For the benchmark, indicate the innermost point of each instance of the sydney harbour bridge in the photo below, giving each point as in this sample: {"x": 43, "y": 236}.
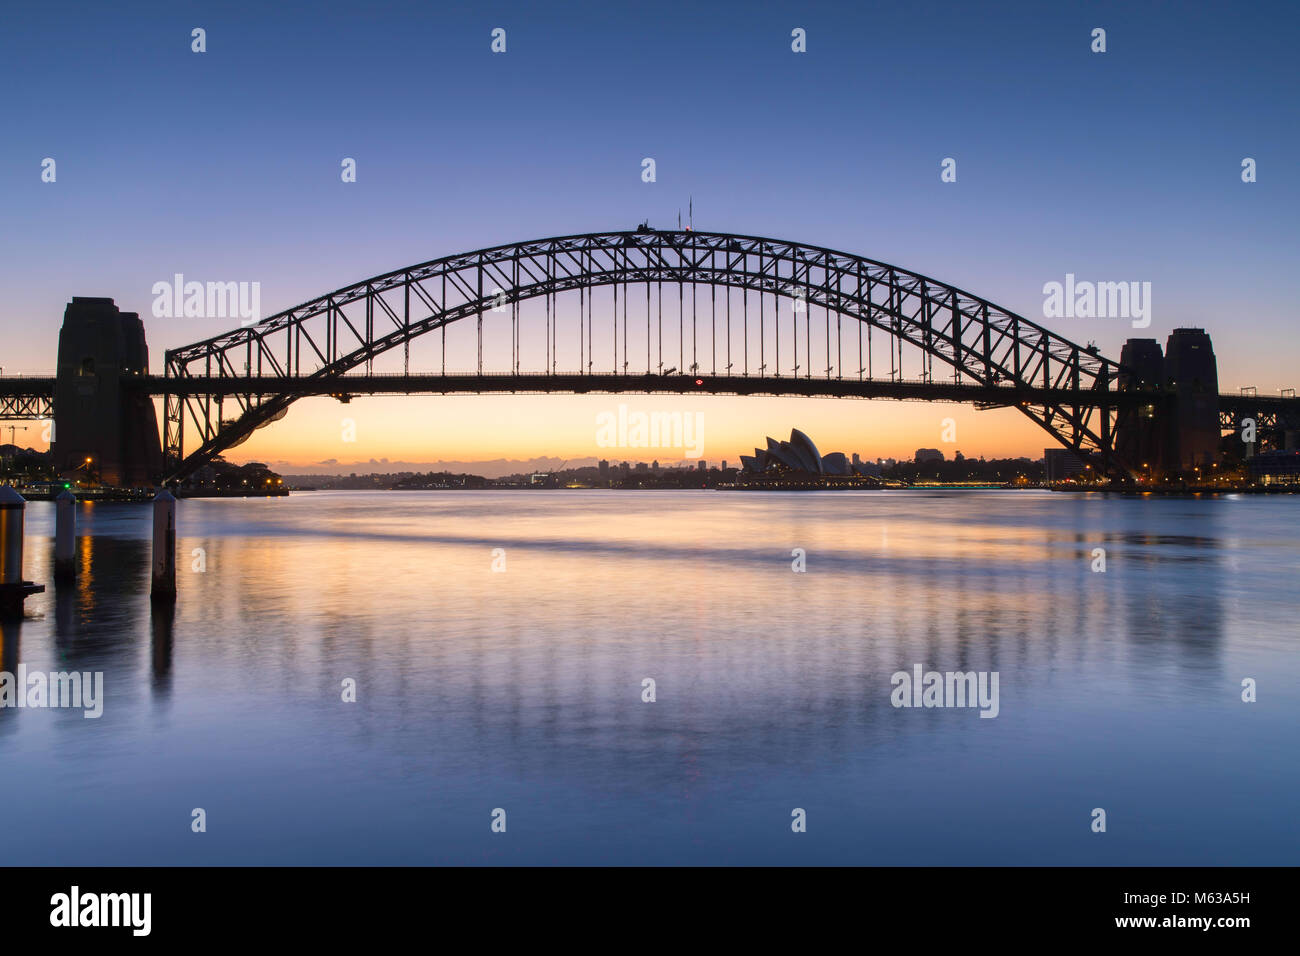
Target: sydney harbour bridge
{"x": 646, "y": 311}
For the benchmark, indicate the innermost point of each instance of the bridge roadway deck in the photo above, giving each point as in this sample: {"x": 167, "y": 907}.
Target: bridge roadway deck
{"x": 571, "y": 383}
{"x": 468, "y": 383}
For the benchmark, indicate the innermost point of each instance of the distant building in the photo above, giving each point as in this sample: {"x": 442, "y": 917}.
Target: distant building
{"x": 604, "y": 469}
{"x": 702, "y": 465}
{"x": 724, "y": 464}
{"x": 1060, "y": 464}
{"x": 1275, "y": 467}
{"x": 924, "y": 455}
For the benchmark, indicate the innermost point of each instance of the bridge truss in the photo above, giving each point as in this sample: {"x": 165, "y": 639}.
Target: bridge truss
{"x": 721, "y": 313}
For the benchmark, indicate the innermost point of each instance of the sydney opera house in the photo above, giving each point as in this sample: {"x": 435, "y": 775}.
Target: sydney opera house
{"x": 797, "y": 457}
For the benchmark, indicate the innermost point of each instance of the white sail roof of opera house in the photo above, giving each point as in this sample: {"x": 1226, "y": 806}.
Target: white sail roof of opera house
{"x": 798, "y": 454}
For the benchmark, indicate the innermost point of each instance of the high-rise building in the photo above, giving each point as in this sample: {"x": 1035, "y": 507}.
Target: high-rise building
{"x": 1060, "y": 463}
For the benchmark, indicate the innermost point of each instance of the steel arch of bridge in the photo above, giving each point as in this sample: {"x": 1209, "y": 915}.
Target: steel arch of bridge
{"x": 1001, "y": 358}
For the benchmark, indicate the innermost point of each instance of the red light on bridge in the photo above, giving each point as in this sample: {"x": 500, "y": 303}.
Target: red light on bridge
{"x": 699, "y": 381}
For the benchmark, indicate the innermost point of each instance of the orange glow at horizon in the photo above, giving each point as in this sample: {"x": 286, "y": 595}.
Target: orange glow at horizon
{"x": 487, "y": 427}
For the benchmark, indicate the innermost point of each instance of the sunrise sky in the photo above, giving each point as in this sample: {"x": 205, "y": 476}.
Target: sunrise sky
{"x": 225, "y": 166}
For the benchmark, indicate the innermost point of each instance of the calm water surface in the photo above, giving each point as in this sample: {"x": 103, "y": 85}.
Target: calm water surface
{"x": 522, "y": 689}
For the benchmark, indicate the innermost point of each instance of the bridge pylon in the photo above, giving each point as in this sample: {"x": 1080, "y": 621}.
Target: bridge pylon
{"x": 103, "y": 427}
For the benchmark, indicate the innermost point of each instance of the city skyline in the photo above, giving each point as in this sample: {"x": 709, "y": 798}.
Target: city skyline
{"x": 503, "y": 467}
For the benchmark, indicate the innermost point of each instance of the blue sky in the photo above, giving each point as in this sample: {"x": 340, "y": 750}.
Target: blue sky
{"x": 225, "y": 165}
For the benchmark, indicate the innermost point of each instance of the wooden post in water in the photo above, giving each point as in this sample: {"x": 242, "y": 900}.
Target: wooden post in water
{"x": 164, "y": 547}
{"x": 65, "y": 537}
{"x": 13, "y": 589}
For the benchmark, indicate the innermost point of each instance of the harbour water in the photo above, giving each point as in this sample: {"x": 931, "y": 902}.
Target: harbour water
{"x": 513, "y": 679}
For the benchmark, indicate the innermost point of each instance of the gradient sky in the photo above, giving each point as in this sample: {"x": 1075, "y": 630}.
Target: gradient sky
{"x": 225, "y": 166}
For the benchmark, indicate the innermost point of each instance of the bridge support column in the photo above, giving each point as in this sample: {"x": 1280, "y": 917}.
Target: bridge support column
{"x": 164, "y": 548}
{"x": 102, "y": 428}
{"x": 13, "y": 589}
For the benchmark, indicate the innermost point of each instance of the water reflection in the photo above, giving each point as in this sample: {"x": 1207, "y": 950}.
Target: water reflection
{"x": 10, "y": 648}
{"x": 96, "y": 617}
{"x": 475, "y": 685}
{"x": 162, "y": 616}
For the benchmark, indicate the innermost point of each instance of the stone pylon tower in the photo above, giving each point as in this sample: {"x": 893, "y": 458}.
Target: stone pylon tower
{"x": 1192, "y": 375}
{"x": 1178, "y": 431}
{"x": 95, "y": 416}
{"x": 1140, "y": 433}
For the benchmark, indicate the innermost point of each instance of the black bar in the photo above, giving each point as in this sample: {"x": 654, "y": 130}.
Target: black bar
{"x": 666, "y": 907}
